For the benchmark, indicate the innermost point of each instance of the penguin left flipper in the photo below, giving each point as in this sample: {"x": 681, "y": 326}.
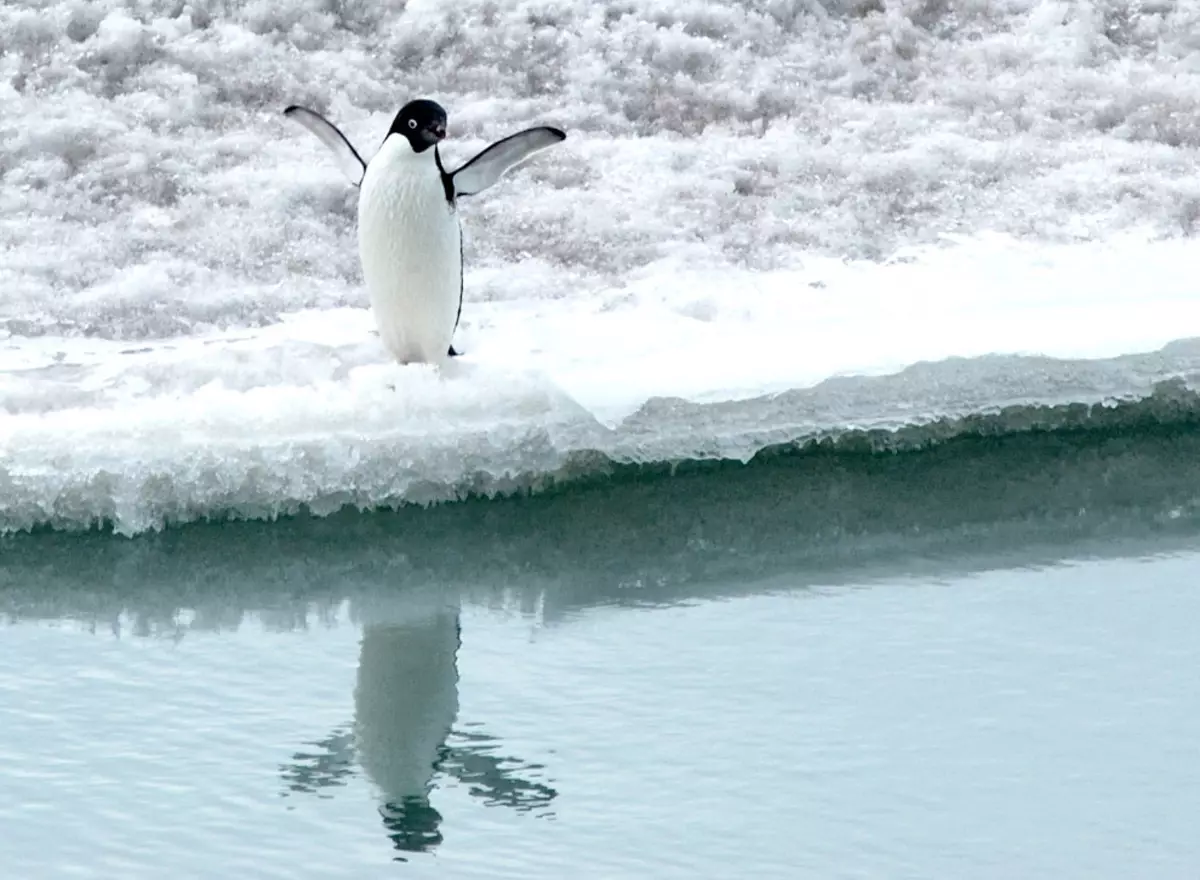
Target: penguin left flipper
{"x": 489, "y": 166}
{"x": 348, "y": 161}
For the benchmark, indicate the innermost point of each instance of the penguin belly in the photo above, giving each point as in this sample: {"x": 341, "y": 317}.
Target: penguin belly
{"x": 406, "y": 702}
{"x": 409, "y": 242}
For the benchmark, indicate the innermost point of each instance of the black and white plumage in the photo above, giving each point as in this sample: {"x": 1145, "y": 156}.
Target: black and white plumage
{"x": 409, "y": 236}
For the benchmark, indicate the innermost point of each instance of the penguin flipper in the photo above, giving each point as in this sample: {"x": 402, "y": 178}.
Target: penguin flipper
{"x": 490, "y": 165}
{"x": 454, "y": 353}
{"x": 347, "y": 158}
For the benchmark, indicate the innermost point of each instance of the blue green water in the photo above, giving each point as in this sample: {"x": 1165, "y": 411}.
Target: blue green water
{"x": 975, "y": 661}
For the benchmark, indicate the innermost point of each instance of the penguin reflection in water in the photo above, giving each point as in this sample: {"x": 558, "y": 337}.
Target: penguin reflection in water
{"x": 409, "y": 236}
{"x": 406, "y": 736}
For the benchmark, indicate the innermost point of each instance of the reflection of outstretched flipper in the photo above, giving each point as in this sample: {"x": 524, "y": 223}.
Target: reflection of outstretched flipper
{"x": 329, "y": 765}
{"x": 496, "y": 779}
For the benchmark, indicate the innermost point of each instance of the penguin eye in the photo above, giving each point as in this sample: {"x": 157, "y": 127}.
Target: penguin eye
{"x": 412, "y": 123}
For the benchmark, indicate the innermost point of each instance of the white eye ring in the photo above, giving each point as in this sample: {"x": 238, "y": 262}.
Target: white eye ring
{"x": 412, "y": 123}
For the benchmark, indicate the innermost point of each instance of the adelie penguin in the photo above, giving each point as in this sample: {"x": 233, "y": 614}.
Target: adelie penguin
{"x": 409, "y": 237}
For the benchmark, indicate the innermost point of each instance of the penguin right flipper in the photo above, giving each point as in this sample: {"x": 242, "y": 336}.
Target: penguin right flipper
{"x": 490, "y": 165}
{"x": 348, "y": 160}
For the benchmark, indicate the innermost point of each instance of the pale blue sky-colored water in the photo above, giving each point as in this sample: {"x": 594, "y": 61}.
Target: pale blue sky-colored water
{"x": 975, "y": 661}
{"x": 1029, "y": 721}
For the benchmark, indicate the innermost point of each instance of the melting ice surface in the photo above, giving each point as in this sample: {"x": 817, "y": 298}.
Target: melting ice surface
{"x": 309, "y": 410}
{"x": 821, "y": 236}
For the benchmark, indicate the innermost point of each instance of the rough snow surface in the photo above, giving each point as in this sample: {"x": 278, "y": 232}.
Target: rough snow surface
{"x": 771, "y": 222}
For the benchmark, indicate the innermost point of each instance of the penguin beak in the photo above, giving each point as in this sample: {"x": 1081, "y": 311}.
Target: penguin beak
{"x": 439, "y": 130}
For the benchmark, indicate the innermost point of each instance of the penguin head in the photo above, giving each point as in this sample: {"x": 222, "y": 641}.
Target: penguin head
{"x": 421, "y": 122}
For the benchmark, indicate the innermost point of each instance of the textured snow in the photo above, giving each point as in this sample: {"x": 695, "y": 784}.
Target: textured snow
{"x": 771, "y": 221}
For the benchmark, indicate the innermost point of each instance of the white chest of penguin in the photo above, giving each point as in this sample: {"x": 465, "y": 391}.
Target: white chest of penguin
{"x": 410, "y": 243}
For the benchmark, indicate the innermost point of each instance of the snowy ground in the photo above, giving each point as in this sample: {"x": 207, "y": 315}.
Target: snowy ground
{"x": 753, "y": 198}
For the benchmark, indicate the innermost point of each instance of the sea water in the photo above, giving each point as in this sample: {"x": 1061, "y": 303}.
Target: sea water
{"x": 974, "y": 661}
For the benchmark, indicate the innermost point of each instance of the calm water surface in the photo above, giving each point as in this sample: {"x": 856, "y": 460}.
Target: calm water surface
{"x": 766, "y": 673}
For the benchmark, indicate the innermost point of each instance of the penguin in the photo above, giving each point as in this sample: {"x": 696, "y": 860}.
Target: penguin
{"x": 409, "y": 235}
